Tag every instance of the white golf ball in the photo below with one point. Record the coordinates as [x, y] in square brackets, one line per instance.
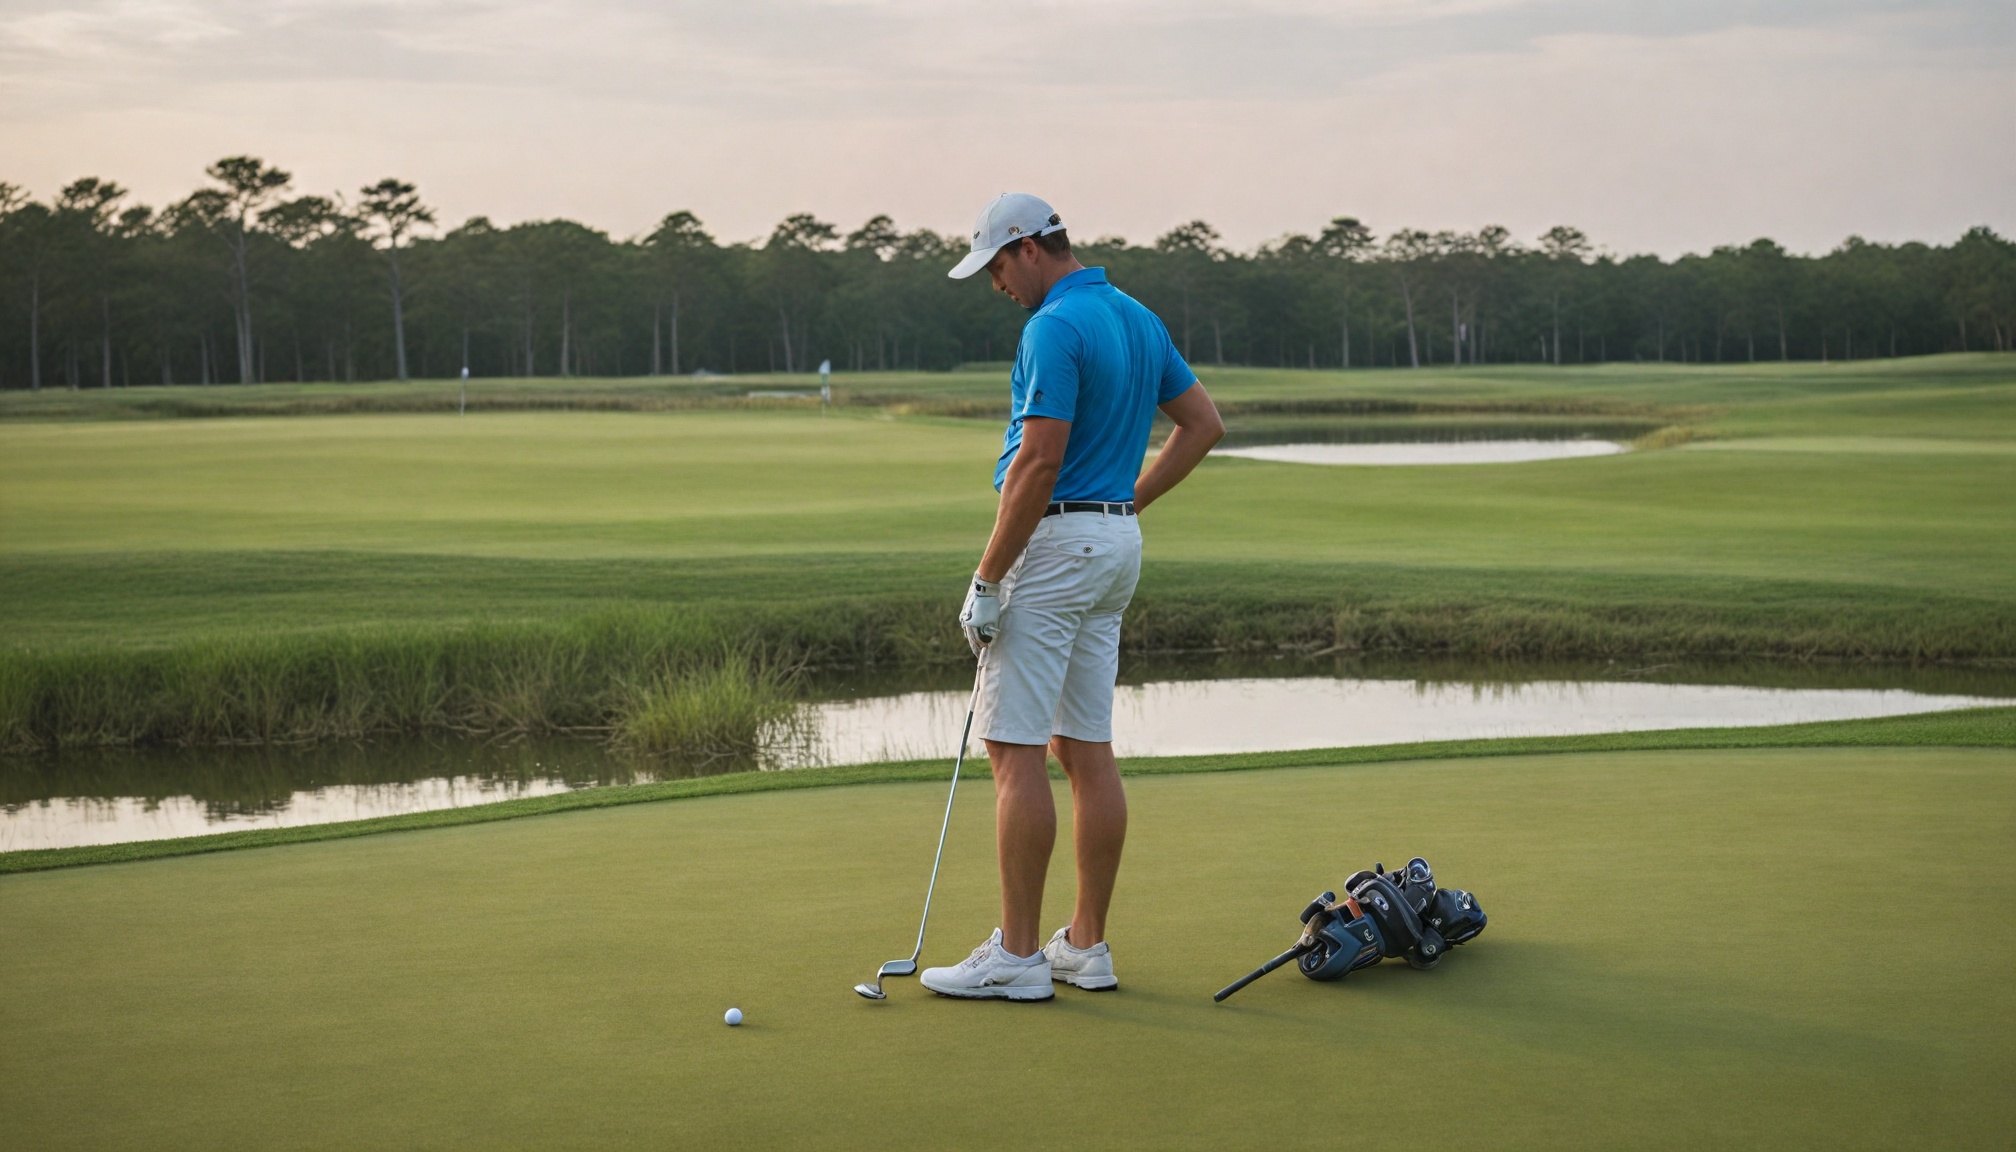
[733, 1017]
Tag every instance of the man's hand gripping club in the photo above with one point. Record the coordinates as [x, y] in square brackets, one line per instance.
[981, 615]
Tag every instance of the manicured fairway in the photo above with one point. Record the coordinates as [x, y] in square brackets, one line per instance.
[1766, 948]
[694, 485]
[1873, 489]
[1917, 512]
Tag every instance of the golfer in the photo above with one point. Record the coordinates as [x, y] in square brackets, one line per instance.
[1044, 609]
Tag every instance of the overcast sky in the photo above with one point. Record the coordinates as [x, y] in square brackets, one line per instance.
[1665, 127]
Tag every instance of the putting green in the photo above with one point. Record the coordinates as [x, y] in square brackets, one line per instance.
[1785, 947]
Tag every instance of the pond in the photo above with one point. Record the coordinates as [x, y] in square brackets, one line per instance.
[1165, 708]
[1188, 718]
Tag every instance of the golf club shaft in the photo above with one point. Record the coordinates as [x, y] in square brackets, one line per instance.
[958, 765]
[1276, 962]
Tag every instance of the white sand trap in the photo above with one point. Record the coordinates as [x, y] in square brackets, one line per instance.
[1452, 452]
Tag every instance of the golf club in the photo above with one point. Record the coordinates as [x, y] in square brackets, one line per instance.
[1311, 920]
[1301, 946]
[909, 967]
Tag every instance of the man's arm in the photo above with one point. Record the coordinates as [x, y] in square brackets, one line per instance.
[1025, 492]
[1198, 427]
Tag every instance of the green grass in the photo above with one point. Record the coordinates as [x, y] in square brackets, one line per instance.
[1712, 938]
[1732, 397]
[1856, 511]
[1688, 949]
[714, 485]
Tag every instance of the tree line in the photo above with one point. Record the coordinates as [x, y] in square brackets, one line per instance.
[245, 281]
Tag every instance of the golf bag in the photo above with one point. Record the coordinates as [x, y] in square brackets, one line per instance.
[1384, 916]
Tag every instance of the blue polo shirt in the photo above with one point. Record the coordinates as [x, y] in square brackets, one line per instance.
[1095, 356]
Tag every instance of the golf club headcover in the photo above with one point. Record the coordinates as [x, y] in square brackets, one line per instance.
[1341, 946]
[1454, 913]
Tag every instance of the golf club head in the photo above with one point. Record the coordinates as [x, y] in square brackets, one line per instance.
[892, 968]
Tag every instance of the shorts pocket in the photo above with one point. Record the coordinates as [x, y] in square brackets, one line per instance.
[1083, 547]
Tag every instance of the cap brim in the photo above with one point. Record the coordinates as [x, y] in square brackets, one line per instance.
[973, 262]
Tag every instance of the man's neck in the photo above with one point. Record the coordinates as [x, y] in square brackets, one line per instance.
[1055, 270]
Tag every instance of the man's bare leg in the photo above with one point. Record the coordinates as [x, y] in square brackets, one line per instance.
[1025, 830]
[1098, 831]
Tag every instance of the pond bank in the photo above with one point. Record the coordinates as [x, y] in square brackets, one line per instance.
[580, 672]
[1162, 708]
[1975, 728]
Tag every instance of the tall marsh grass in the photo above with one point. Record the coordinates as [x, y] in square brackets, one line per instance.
[730, 712]
[691, 681]
[586, 676]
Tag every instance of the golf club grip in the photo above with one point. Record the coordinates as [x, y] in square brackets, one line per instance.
[1269, 966]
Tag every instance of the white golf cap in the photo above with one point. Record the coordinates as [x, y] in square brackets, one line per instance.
[1007, 218]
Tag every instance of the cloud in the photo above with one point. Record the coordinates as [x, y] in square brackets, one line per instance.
[1653, 125]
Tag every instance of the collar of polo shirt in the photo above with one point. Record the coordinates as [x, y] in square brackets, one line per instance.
[1076, 279]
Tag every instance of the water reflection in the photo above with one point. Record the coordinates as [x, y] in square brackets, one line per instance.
[1441, 669]
[1227, 704]
[104, 796]
[72, 821]
[1181, 718]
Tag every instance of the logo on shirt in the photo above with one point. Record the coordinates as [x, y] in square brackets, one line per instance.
[1037, 396]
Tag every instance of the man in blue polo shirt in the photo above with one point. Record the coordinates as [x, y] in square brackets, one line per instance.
[1045, 605]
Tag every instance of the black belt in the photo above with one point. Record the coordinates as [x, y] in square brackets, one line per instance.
[1123, 508]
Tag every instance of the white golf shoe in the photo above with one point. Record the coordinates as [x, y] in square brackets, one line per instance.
[990, 973]
[1087, 968]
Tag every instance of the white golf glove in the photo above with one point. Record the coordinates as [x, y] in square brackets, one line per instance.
[981, 616]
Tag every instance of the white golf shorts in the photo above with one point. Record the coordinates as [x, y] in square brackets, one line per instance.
[1051, 669]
